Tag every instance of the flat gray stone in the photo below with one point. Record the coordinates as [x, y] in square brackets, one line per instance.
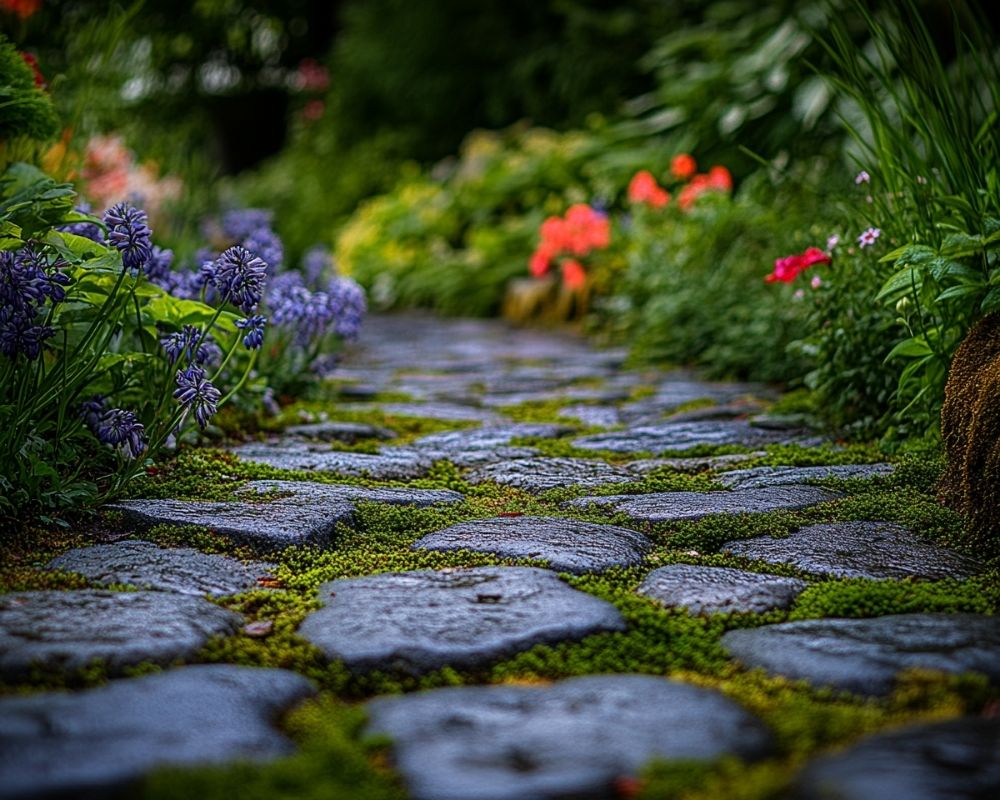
[678, 436]
[719, 590]
[443, 411]
[392, 464]
[349, 432]
[146, 566]
[695, 464]
[67, 630]
[420, 621]
[864, 655]
[758, 477]
[541, 474]
[596, 416]
[309, 513]
[568, 545]
[100, 742]
[676, 506]
[858, 550]
[488, 437]
[570, 739]
[959, 758]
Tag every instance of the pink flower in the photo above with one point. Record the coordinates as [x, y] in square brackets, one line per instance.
[868, 238]
[816, 282]
[862, 177]
[832, 242]
[787, 269]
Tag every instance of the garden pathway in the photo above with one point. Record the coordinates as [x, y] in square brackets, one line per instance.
[587, 506]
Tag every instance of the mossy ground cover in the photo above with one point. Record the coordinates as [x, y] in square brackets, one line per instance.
[336, 760]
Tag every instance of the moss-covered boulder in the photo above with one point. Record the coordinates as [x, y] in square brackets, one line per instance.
[970, 428]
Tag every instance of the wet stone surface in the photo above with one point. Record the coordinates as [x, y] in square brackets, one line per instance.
[541, 474]
[488, 437]
[864, 655]
[858, 550]
[420, 621]
[443, 411]
[959, 758]
[349, 432]
[758, 477]
[567, 545]
[679, 436]
[98, 742]
[719, 590]
[308, 513]
[676, 506]
[696, 464]
[593, 415]
[571, 739]
[67, 630]
[392, 464]
[147, 566]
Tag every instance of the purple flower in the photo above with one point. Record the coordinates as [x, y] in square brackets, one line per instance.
[88, 230]
[121, 429]
[159, 264]
[21, 284]
[197, 394]
[240, 223]
[862, 177]
[348, 307]
[316, 263]
[254, 327]
[19, 335]
[92, 410]
[238, 275]
[266, 244]
[129, 232]
[186, 343]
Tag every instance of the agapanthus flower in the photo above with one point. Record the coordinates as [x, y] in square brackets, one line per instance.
[197, 394]
[159, 264]
[92, 410]
[190, 344]
[240, 223]
[862, 177]
[266, 244]
[47, 279]
[19, 335]
[316, 263]
[348, 306]
[121, 429]
[238, 275]
[22, 284]
[254, 327]
[869, 237]
[88, 230]
[129, 232]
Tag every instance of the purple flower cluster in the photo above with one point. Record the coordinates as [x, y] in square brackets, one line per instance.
[88, 230]
[197, 394]
[338, 310]
[158, 268]
[129, 233]
[27, 280]
[252, 228]
[238, 276]
[190, 344]
[316, 264]
[254, 327]
[116, 427]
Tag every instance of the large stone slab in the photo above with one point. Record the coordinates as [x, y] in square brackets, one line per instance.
[392, 464]
[571, 739]
[443, 411]
[489, 437]
[67, 630]
[420, 621]
[959, 758]
[864, 655]
[349, 432]
[676, 506]
[146, 566]
[719, 590]
[758, 477]
[693, 464]
[568, 545]
[858, 550]
[100, 742]
[597, 416]
[541, 474]
[678, 436]
[307, 514]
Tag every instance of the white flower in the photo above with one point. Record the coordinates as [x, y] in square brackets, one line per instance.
[832, 242]
[869, 237]
[816, 282]
[862, 177]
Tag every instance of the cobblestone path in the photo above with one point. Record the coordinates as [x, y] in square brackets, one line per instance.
[538, 574]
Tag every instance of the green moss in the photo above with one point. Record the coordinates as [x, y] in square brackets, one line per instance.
[334, 762]
[540, 411]
[873, 598]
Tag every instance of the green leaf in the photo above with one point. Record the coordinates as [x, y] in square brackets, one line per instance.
[992, 301]
[902, 283]
[910, 348]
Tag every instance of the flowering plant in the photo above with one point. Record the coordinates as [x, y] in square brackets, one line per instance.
[569, 238]
[100, 367]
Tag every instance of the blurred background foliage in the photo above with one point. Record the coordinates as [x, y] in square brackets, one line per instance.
[425, 143]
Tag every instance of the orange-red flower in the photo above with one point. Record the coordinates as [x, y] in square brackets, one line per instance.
[683, 166]
[22, 8]
[573, 274]
[717, 179]
[643, 188]
[580, 231]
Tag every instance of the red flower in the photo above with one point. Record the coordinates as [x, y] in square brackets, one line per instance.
[32, 62]
[644, 189]
[540, 262]
[719, 178]
[683, 166]
[22, 8]
[581, 230]
[573, 274]
[787, 269]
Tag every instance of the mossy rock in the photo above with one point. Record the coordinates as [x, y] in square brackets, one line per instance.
[970, 429]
